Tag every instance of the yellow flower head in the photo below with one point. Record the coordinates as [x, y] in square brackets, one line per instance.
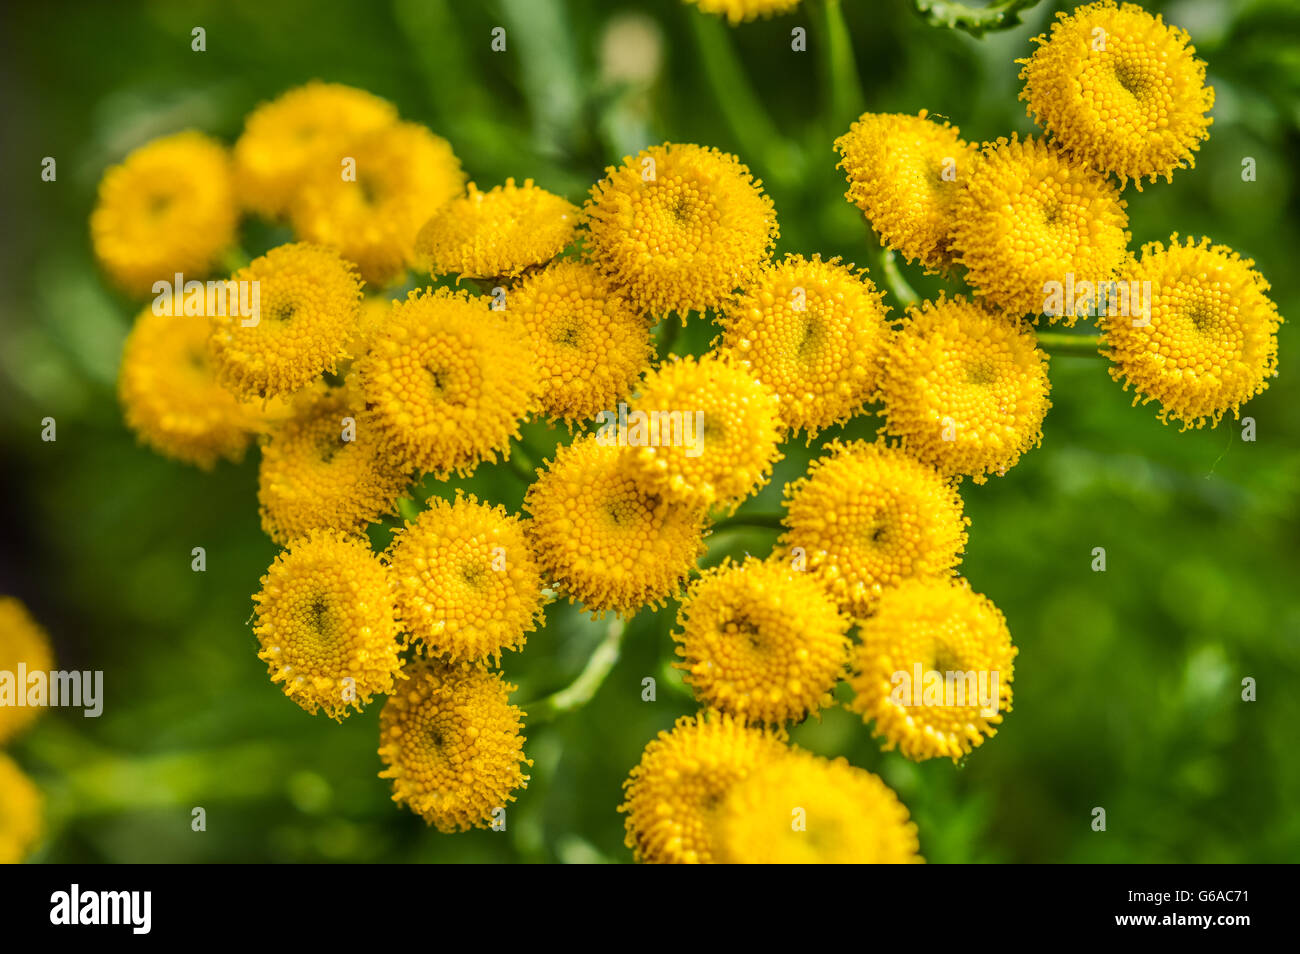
[21, 641]
[602, 538]
[324, 469]
[169, 207]
[21, 806]
[1210, 341]
[468, 586]
[964, 389]
[1120, 90]
[453, 746]
[326, 624]
[868, 517]
[680, 227]
[903, 173]
[1026, 216]
[590, 344]
[285, 139]
[496, 234]
[738, 11]
[674, 796]
[404, 174]
[812, 331]
[803, 809]
[170, 396]
[933, 669]
[762, 641]
[309, 303]
[711, 431]
[447, 382]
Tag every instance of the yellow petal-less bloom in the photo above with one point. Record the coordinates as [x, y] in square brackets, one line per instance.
[804, 809]
[762, 641]
[602, 538]
[309, 304]
[468, 586]
[496, 234]
[680, 227]
[22, 640]
[324, 469]
[170, 397]
[169, 207]
[453, 745]
[712, 431]
[447, 382]
[945, 631]
[1120, 90]
[964, 389]
[1027, 216]
[291, 135]
[867, 517]
[812, 331]
[1211, 341]
[903, 173]
[673, 796]
[738, 11]
[21, 806]
[589, 343]
[325, 621]
[404, 174]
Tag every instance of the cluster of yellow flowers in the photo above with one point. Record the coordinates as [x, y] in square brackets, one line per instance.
[353, 397]
[22, 643]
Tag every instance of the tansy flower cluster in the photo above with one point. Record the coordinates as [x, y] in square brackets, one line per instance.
[417, 323]
[22, 643]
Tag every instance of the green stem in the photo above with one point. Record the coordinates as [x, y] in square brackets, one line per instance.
[839, 69]
[579, 692]
[1078, 346]
[668, 337]
[407, 509]
[885, 269]
[768, 521]
[741, 108]
[517, 463]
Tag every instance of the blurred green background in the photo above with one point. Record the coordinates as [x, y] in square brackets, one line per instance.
[1128, 683]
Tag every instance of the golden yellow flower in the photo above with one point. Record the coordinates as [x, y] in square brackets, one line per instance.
[680, 227]
[287, 138]
[1027, 216]
[309, 305]
[1120, 90]
[738, 11]
[169, 207]
[762, 641]
[674, 795]
[964, 389]
[447, 382]
[867, 517]
[170, 396]
[496, 234]
[21, 806]
[711, 431]
[803, 809]
[602, 538]
[903, 173]
[1210, 341]
[453, 746]
[812, 331]
[403, 174]
[325, 621]
[375, 312]
[324, 468]
[468, 586]
[590, 345]
[933, 668]
[22, 640]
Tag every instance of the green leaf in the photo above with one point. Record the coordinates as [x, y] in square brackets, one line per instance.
[974, 20]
